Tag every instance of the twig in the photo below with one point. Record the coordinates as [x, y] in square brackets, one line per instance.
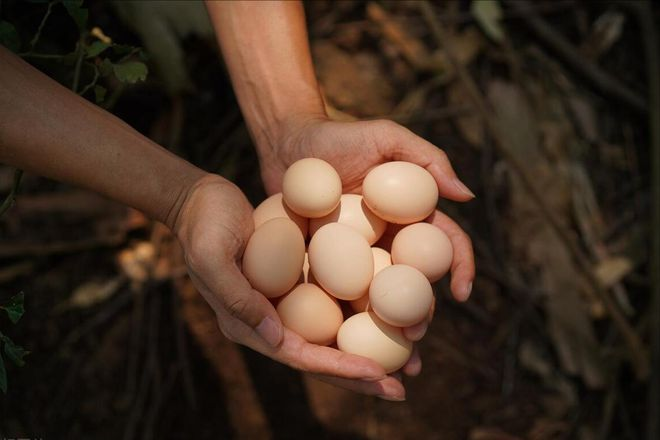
[182, 353]
[11, 197]
[81, 54]
[638, 356]
[37, 35]
[603, 81]
[92, 83]
[61, 247]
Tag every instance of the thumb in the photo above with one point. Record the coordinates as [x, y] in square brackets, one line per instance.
[237, 300]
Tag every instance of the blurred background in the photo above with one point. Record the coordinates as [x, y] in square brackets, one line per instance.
[548, 111]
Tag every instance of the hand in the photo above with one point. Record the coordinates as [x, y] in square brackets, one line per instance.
[353, 149]
[213, 226]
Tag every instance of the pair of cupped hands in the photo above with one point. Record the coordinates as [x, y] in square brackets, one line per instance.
[215, 222]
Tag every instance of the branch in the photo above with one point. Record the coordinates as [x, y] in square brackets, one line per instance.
[594, 75]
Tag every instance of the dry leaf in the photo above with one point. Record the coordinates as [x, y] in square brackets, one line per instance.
[470, 125]
[612, 270]
[93, 292]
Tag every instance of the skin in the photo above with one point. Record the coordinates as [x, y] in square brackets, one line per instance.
[47, 130]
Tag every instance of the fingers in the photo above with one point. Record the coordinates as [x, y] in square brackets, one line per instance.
[388, 388]
[462, 266]
[300, 354]
[232, 293]
[404, 145]
[414, 365]
[417, 331]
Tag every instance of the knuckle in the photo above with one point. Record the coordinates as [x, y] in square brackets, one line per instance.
[237, 308]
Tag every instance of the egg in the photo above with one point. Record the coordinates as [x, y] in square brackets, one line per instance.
[400, 192]
[353, 212]
[381, 261]
[365, 334]
[401, 295]
[341, 261]
[424, 247]
[311, 188]
[273, 258]
[274, 207]
[312, 313]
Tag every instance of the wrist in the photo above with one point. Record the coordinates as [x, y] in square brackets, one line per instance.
[277, 141]
[179, 195]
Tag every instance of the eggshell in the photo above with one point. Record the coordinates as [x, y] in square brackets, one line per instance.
[365, 334]
[311, 188]
[353, 212]
[401, 295]
[274, 256]
[424, 247]
[400, 192]
[341, 261]
[312, 313]
[274, 207]
[381, 261]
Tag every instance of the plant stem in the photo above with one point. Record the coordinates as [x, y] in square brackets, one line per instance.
[9, 200]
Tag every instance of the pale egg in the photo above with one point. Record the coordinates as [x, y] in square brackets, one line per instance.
[312, 313]
[365, 334]
[341, 261]
[353, 212]
[400, 192]
[381, 261]
[274, 207]
[401, 295]
[273, 258]
[424, 247]
[311, 188]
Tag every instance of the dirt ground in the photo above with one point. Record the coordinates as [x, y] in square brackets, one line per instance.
[122, 346]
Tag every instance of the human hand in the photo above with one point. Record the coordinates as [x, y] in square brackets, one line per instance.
[213, 226]
[353, 149]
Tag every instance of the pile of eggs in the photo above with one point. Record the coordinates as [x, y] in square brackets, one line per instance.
[345, 269]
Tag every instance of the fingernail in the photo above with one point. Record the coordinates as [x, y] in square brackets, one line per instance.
[270, 331]
[374, 378]
[392, 398]
[462, 188]
[467, 291]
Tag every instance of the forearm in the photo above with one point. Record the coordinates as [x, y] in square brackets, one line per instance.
[267, 54]
[48, 130]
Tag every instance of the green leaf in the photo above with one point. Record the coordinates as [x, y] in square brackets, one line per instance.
[96, 48]
[9, 36]
[77, 12]
[99, 93]
[14, 352]
[3, 376]
[105, 67]
[130, 72]
[14, 307]
[488, 14]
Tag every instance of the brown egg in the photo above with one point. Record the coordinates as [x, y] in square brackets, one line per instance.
[424, 247]
[400, 192]
[401, 295]
[341, 261]
[381, 261]
[353, 212]
[273, 257]
[311, 188]
[312, 313]
[365, 334]
[274, 207]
